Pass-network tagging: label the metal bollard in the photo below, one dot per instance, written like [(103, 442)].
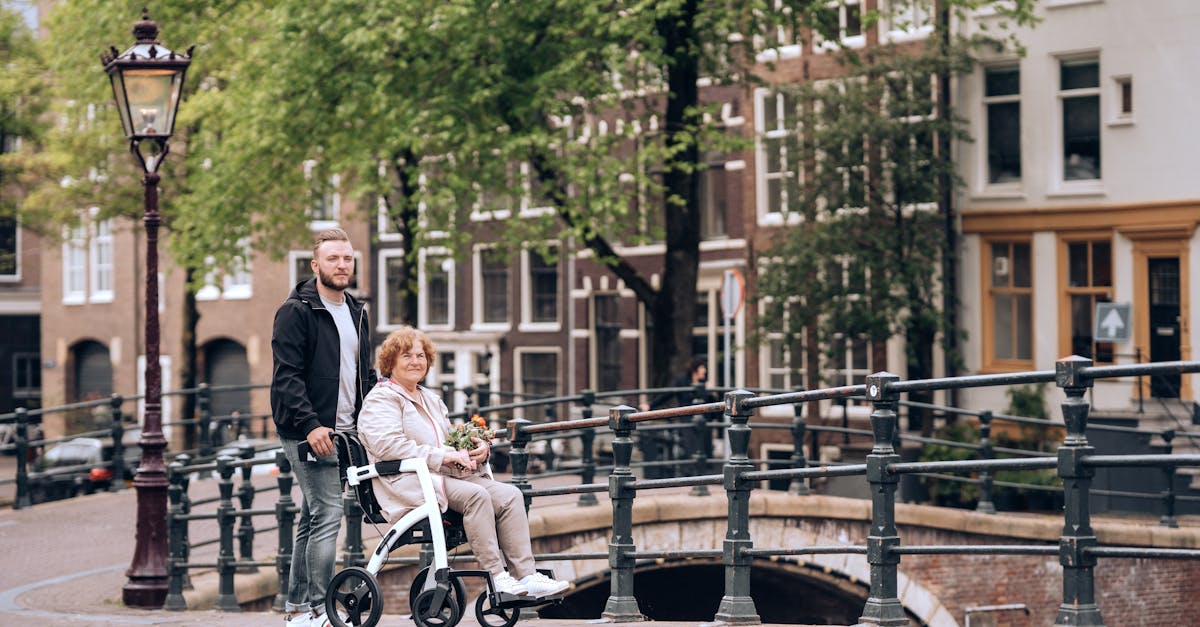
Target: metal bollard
[(587, 441), (285, 513), (986, 481), (226, 598), (737, 607), (519, 458), (176, 539), (1078, 564), (622, 605), (22, 442), (883, 606), (245, 531), (1168, 496), (798, 485)]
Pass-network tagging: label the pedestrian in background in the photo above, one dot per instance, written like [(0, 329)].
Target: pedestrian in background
[(321, 346)]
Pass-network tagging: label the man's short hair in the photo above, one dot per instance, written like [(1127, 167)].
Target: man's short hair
[(329, 235)]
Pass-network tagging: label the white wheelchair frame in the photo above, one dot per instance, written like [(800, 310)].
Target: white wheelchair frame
[(353, 596)]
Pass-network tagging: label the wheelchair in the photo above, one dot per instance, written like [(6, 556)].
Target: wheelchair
[(437, 596)]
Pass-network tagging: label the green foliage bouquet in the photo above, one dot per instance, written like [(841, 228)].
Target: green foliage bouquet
[(460, 436)]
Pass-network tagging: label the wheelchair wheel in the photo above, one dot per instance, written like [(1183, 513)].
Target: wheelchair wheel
[(460, 593), (425, 615), (354, 594), (489, 616)]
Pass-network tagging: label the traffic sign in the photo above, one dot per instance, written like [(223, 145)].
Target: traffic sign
[(1114, 322), (733, 293)]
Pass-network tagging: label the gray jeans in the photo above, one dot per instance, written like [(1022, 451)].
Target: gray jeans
[(314, 554)]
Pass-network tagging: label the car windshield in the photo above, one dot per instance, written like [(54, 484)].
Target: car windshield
[(72, 453)]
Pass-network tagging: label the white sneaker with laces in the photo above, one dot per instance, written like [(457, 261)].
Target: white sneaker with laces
[(303, 619), (505, 582), (540, 585)]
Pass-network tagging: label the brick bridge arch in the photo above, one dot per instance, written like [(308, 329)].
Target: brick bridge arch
[(935, 589)]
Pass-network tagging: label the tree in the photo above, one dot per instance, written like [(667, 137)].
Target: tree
[(870, 163), (22, 101)]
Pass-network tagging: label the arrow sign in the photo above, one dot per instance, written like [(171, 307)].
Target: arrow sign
[(1112, 322)]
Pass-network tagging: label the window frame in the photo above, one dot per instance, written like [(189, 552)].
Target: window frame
[(1079, 185), (530, 258), (610, 327), (75, 265), (917, 23), (15, 275), (987, 102), (988, 327), (1066, 291), (100, 260), (767, 215), (423, 300), (478, 322), (519, 378)]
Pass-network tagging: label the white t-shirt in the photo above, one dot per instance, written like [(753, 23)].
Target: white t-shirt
[(349, 363)]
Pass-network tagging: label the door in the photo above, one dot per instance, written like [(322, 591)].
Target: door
[(1164, 322)]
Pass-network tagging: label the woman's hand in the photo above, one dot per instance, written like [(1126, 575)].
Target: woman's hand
[(482, 450), (459, 460)]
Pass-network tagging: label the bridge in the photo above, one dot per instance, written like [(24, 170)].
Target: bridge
[(757, 547)]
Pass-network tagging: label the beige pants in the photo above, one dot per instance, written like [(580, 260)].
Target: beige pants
[(496, 523)]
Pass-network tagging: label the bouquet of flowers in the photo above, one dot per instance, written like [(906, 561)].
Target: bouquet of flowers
[(460, 436)]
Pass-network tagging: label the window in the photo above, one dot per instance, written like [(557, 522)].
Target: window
[(393, 288), (1009, 304), (323, 195), (713, 199), (910, 100), (1089, 281), (493, 291), (239, 280), (1079, 91), (542, 284), (908, 19), (783, 362), (1002, 103), (850, 27), (606, 333), (27, 376), (1124, 89), (539, 378), (9, 253), (777, 156), (780, 40), (101, 253), (438, 282), (851, 362), (75, 266)]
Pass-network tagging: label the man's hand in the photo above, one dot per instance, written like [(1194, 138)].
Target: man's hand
[(480, 453), (321, 441)]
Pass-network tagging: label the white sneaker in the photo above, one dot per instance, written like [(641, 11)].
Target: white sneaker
[(505, 582), (540, 585), (323, 620), (303, 619)]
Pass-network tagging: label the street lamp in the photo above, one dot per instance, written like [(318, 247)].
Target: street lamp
[(147, 80)]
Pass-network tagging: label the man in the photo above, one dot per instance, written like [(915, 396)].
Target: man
[(321, 346)]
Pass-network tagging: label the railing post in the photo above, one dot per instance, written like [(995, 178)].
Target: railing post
[(245, 532), (118, 439), (798, 486), (1168, 495), (736, 606), (176, 539), (587, 441), (986, 451), (1078, 564), (203, 401), (622, 605), (700, 456), (22, 443), (185, 507), (447, 390), (883, 606), (548, 456), (285, 513), (226, 598), (518, 456)]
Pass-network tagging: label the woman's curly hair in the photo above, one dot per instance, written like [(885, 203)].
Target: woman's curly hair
[(399, 342)]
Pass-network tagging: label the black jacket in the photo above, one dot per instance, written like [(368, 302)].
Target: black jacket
[(306, 350)]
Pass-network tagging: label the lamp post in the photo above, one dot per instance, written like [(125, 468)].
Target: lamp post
[(147, 80)]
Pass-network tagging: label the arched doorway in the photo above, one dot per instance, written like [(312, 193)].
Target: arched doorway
[(225, 364), (91, 379)]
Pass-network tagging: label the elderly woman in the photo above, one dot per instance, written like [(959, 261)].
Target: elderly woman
[(400, 419)]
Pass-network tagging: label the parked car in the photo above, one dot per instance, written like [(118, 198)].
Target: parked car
[(82, 466)]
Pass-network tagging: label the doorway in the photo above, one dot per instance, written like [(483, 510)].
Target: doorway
[(1164, 322)]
